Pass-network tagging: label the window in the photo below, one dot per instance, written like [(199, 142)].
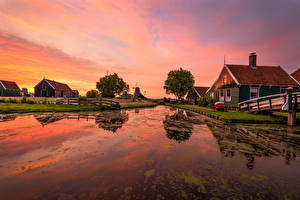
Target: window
[(254, 92), (221, 96), (228, 93)]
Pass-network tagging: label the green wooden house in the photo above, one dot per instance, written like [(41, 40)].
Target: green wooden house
[(237, 83), (9, 89)]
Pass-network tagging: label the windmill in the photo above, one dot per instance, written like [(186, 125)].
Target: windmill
[(137, 92)]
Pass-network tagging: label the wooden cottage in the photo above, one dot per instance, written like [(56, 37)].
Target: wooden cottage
[(198, 92), (49, 88), (237, 83), (9, 89)]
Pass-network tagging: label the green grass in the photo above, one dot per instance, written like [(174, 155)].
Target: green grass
[(137, 105), (236, 116), (28, 108)]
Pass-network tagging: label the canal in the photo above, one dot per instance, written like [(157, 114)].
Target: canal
[(153, 153)]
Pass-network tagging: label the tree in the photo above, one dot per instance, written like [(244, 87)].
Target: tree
[(179, 83), (111, 85), (92, 94)]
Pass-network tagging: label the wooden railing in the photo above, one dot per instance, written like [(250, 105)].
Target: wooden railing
[(88, 101), (271, 102)]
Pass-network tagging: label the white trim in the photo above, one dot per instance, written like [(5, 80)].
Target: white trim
[(46, 81), (231, 74), (197, 92), (215, 80), (289, 75), (227, 98), (3, 85)]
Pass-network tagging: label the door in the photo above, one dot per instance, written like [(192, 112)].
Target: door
[(44, 93)]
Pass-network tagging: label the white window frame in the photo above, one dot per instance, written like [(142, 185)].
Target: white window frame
[(252, 88), (228, 98), (221, 98)]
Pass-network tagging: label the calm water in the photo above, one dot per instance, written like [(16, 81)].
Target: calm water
[(157, 153)]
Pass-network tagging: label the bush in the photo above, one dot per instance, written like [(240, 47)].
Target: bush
[(30, 102), (45, 101), (92, 94), (2, 101), (24, 100), (203, 102), (11, 100)]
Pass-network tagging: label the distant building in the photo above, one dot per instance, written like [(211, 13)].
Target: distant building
[(9, 89), (198, 92), (237, 83), (50, 88), (24, 92), (137, 94)]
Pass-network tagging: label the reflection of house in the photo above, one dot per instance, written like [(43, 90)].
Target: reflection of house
[(48, 118), (197, 93), (237, 83), (48, 88), (9, 89)]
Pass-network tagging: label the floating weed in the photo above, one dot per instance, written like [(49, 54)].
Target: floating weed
[(149, 173), (256, 177), (192, 179)]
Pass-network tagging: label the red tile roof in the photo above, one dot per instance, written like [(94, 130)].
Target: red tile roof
[(10, 85), (261, 75), (59, 86), (296, 75), (201, 90)]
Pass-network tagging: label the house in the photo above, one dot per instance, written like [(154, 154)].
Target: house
[(198, 92), (9, 89), (237, 83), (296, 75), (50, 88)]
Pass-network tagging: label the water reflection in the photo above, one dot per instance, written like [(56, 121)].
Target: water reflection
[(178, 127), (4, 118), (111, 120), (73, 157)]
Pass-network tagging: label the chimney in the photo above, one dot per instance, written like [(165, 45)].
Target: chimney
[(252, 60)]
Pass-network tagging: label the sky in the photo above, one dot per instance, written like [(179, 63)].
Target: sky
[(79, 41)]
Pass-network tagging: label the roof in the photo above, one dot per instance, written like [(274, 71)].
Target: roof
[(10, 85), (58, 86), (201, 91), (261, 75), (296, 75)]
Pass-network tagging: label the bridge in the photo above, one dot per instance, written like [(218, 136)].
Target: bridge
[(286, 102)]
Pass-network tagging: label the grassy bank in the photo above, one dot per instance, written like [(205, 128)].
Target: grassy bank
[(29, 108), (237, 117)]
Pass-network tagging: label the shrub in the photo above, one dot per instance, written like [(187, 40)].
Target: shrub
[(11, 100), (203, 102), (30, 102), (24, 100), (45, 101)]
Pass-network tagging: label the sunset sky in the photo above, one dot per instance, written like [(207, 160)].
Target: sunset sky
[(78, 41)]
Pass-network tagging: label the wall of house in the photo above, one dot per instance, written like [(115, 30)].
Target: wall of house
[(234, 91), (64, 93), (43, 89), (9, 93), (244, 91), (227, 79)]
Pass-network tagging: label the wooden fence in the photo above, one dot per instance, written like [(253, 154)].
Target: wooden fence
[(89, 101)]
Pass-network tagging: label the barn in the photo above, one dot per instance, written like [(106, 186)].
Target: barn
[(51, 88), (9, 89)]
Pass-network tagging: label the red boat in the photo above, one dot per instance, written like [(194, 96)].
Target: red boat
[(219, 105)]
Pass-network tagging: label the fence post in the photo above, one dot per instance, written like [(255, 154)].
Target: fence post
[(258, 105), (270, 102), (291, 110)]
